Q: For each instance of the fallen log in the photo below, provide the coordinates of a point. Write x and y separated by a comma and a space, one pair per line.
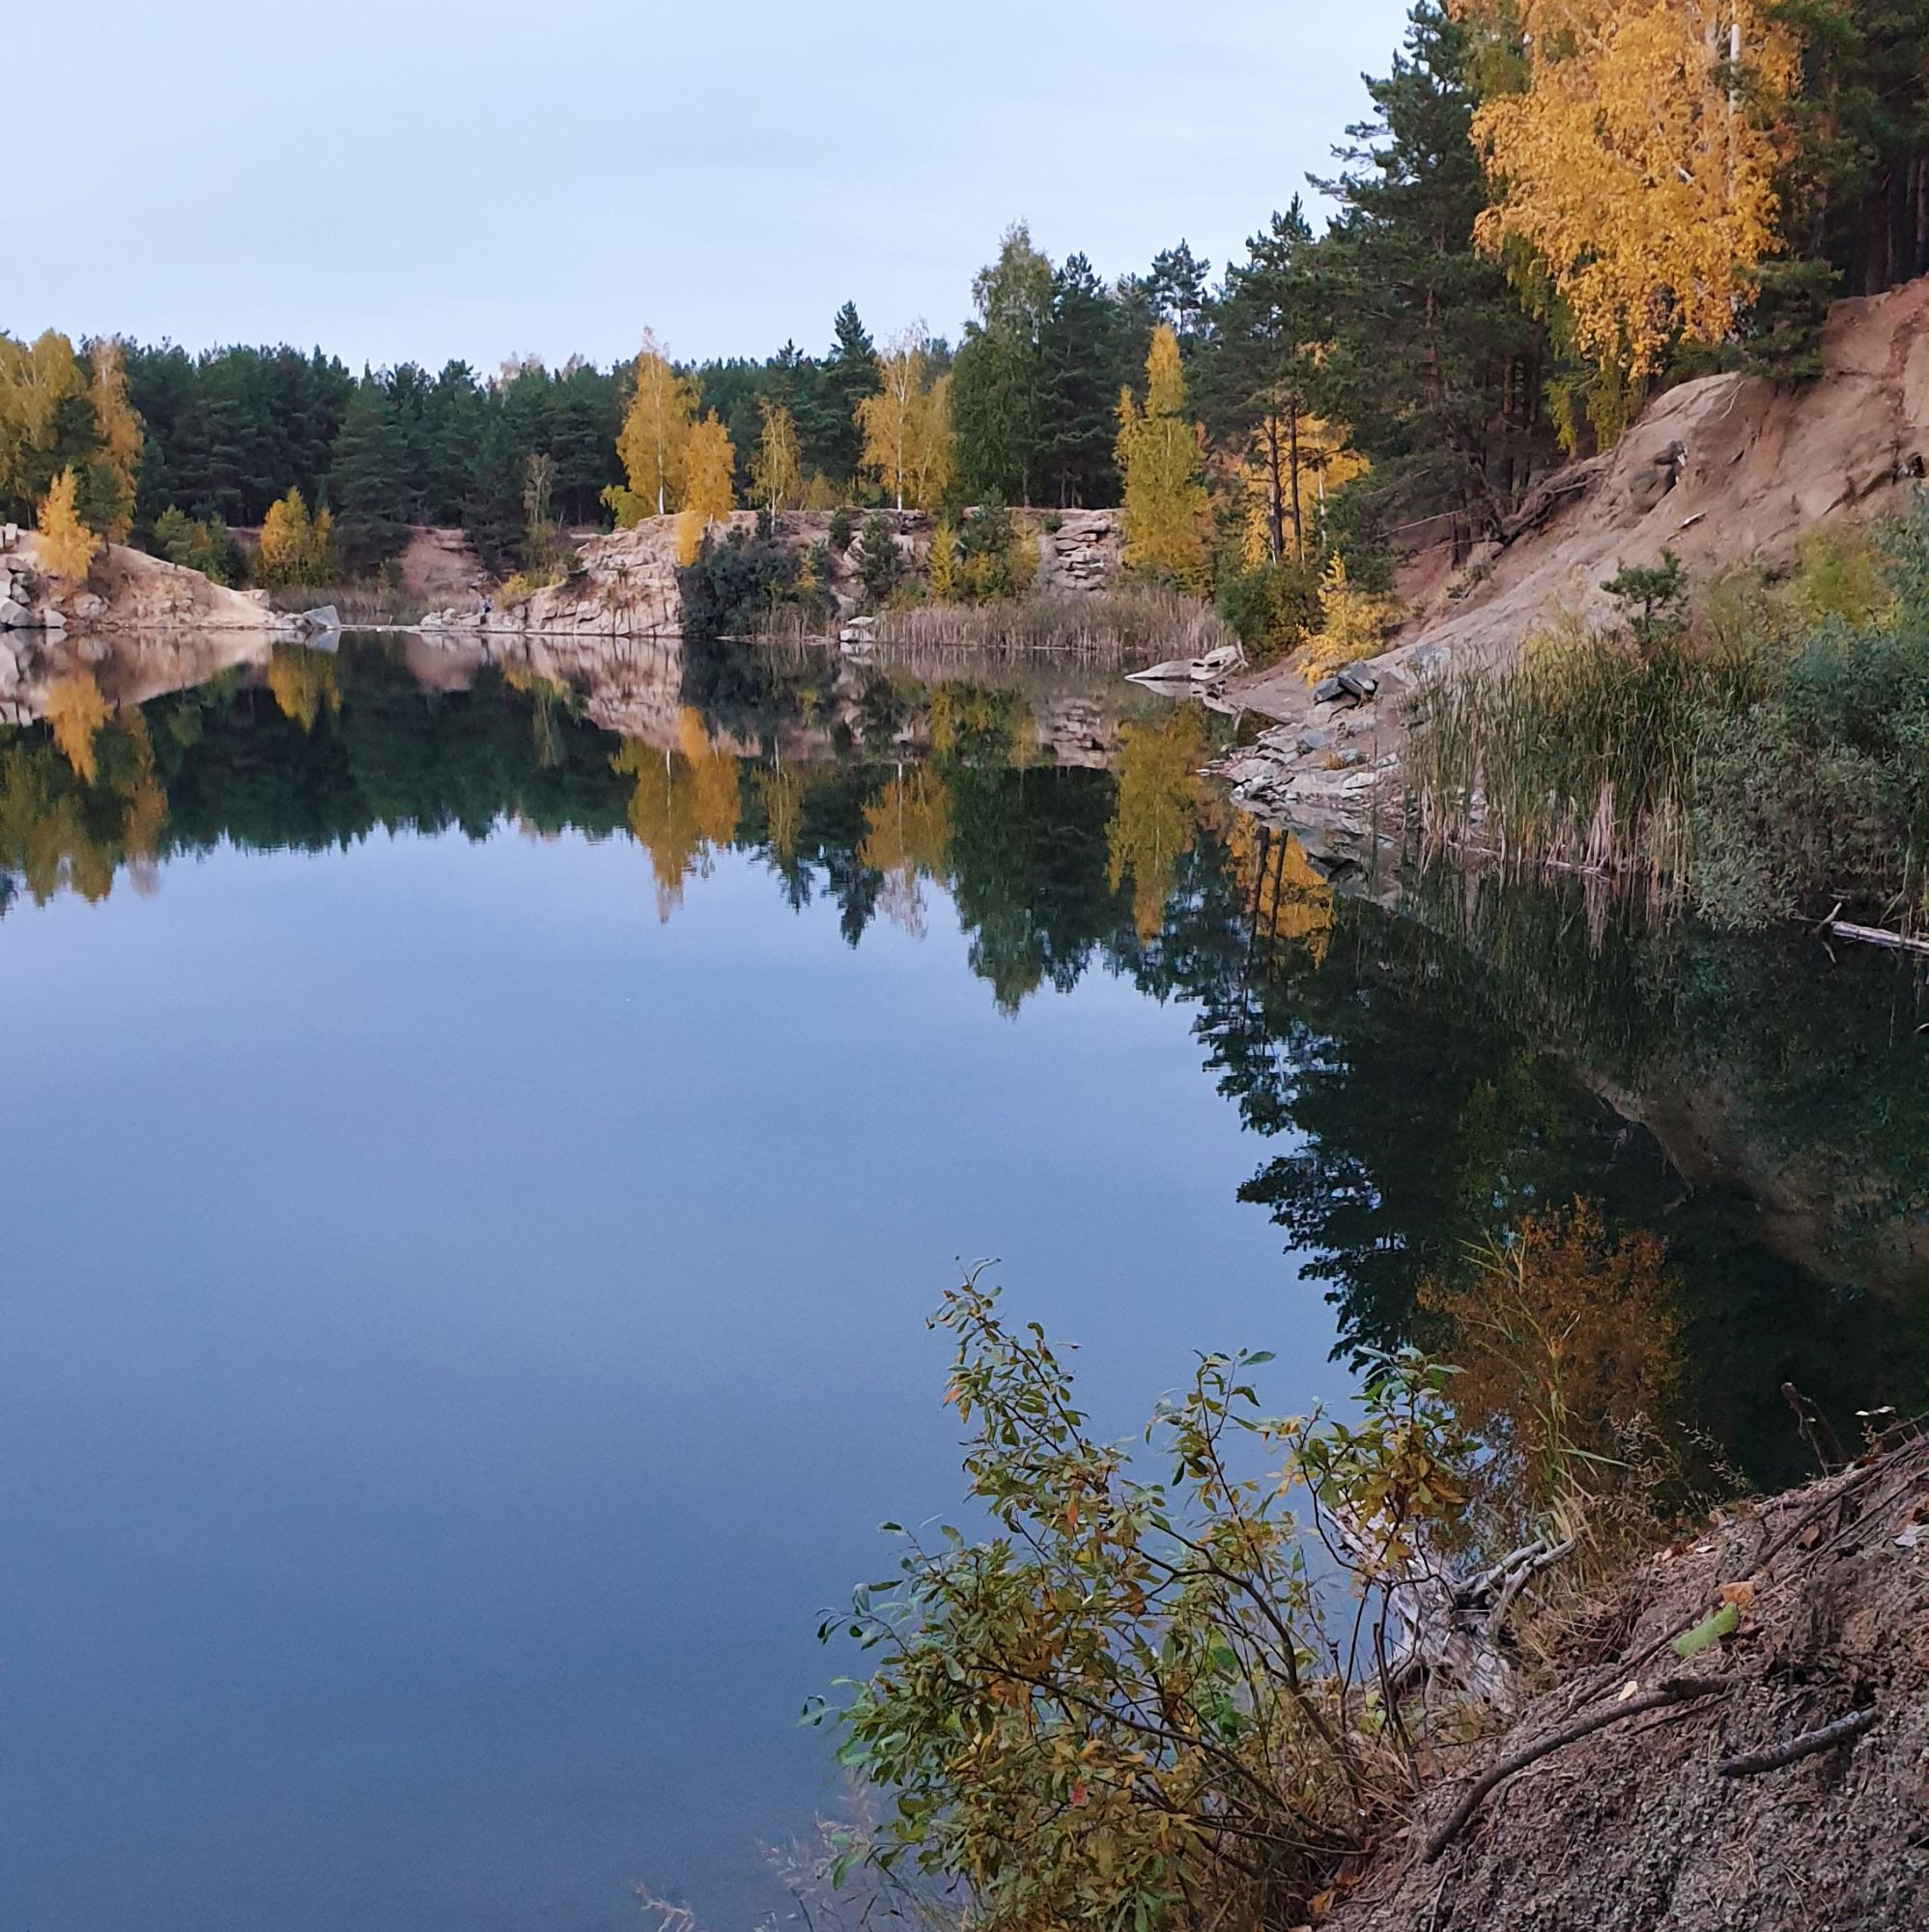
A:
1873, 935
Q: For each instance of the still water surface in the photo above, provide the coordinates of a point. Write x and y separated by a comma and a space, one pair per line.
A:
478, 1177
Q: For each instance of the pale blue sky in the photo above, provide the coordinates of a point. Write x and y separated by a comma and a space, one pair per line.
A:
428, 179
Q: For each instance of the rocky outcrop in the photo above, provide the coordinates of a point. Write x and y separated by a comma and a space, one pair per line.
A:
127, 591
624, 583
1723, 470
1079, 550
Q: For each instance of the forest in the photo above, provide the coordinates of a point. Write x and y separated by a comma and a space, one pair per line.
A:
1518, 252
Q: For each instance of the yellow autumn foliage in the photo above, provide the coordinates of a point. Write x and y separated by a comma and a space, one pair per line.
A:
1159, 453
906, 424
76, 708
1353, 623
1310, 461
908, 838
302, 681
685, 804
710, 488
654, 442
295, 548
1638, 163
66, 546
1155, 814
37, 379
1288, 900
119, 428
776, 471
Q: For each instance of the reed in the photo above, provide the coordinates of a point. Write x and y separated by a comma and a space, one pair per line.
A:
1580, 757
1129, 625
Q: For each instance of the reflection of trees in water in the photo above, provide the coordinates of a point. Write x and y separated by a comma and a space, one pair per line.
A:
684, 805
1422, 1081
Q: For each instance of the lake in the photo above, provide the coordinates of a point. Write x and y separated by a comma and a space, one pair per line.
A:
485, 1136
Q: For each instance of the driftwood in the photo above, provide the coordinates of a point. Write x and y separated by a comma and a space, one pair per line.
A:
1833, 927
1826, 1738
1675, 1691
1449, 1625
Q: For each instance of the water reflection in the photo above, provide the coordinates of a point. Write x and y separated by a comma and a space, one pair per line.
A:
1420, 1077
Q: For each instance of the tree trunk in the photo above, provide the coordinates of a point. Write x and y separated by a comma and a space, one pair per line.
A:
1292, 446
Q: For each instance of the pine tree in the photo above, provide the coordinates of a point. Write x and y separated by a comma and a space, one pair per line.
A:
367, 484
1083, 372
829, 434
1431, 358
1176, 289
998, 381
1258, 377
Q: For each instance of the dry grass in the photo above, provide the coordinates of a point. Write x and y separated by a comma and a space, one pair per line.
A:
1128, 625
1579, 757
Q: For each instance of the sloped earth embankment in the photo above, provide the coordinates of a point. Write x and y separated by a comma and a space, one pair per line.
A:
1790, 1788
1723, 470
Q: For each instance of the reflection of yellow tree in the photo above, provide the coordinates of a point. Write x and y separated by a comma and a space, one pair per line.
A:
146, 816
1288, 898
43, 832
1155, 816
977, 725
683, 807
302, 681
908, 838
549, 699
780, 793
76, 711
1567, 1347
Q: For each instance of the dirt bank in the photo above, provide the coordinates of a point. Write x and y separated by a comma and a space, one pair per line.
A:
1668, 1817
126, 590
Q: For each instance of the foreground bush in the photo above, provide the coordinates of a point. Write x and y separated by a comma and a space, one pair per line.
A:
1132, 1704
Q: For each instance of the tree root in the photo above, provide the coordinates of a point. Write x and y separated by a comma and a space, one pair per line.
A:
1805, 1745
1675, 1691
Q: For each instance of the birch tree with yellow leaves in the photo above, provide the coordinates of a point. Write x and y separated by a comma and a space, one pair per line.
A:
1294, 463
121, 438
906, 424
710, 489
1160, 457
654, 442
66, 546
776, 471
1636, 164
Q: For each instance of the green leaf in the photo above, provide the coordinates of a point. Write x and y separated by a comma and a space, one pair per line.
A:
1712, 1629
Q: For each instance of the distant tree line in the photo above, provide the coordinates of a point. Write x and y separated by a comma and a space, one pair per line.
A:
1552, 206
